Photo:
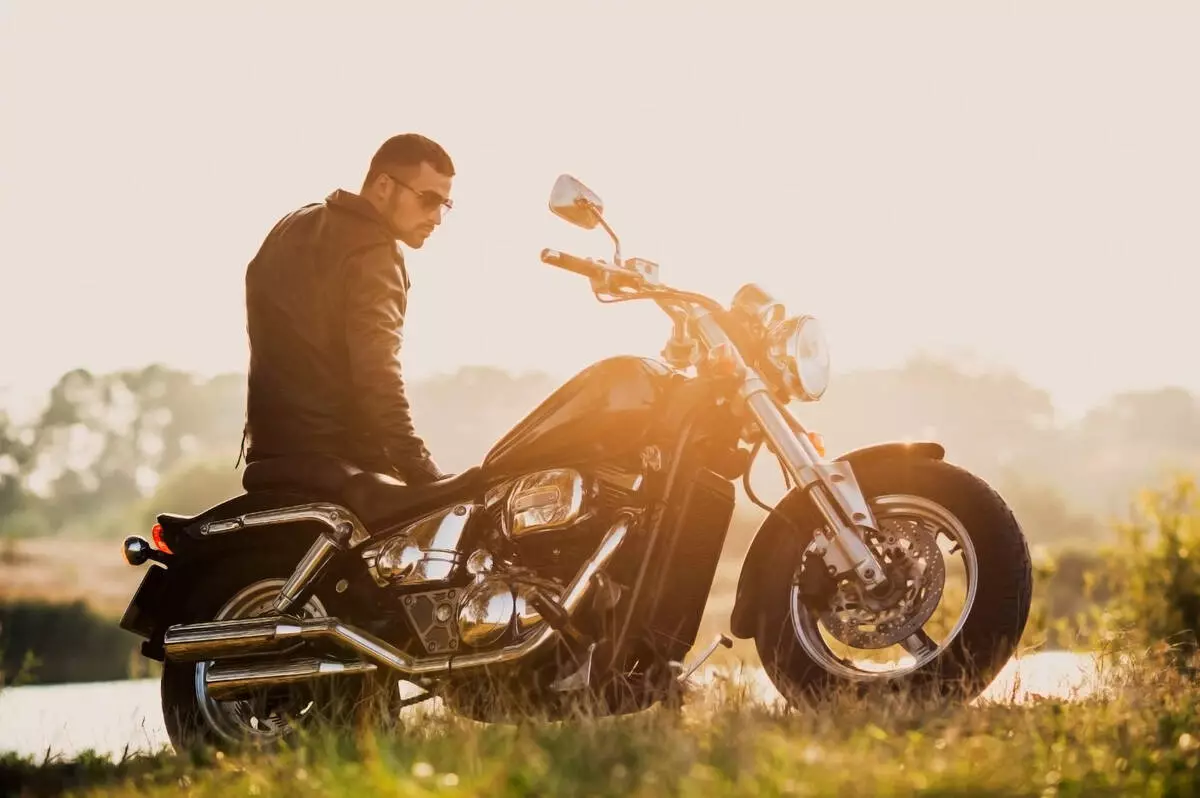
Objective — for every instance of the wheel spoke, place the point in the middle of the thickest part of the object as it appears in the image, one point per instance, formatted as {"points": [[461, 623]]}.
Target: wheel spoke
{"points": [[919, 644]]}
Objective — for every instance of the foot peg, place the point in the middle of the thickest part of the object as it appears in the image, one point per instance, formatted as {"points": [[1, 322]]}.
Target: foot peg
{"points": [[684, 671]]}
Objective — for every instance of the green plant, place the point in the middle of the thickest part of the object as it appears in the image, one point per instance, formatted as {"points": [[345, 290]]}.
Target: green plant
{"points": [[1156, 577]]}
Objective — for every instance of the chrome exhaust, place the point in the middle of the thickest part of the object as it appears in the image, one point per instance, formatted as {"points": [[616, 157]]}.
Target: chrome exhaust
{"points": [[228, 638], [224, 682], [204, 641]]}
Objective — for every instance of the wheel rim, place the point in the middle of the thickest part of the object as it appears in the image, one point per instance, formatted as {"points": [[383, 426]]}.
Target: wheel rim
{"points": [[264, 717], [920, 521]]}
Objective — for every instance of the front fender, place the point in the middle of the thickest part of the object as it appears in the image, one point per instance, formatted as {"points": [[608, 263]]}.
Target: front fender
{"points": [[769, 536]]}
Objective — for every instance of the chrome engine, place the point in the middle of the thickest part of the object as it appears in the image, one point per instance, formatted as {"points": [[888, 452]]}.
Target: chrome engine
{"points": [[497, 605], [424, 552]]}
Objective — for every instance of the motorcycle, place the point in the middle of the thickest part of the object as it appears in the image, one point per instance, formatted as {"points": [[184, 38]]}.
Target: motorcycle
{"points": [[575, 562]]}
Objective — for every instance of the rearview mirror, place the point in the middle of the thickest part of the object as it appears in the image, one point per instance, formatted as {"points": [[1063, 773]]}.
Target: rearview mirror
{"points": [[575, 202]]}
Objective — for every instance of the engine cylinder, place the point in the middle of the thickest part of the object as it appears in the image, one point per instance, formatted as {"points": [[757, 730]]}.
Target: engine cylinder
{"points": [[486, 612]]}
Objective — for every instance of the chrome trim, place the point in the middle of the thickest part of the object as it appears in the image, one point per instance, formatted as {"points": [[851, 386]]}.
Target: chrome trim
{"points": [[758, 304], [905, 506], [486, 612], [224, 682], [214, 639], [345, 528], [306, 570], [552, 479], [424, 552], [796, 452]]}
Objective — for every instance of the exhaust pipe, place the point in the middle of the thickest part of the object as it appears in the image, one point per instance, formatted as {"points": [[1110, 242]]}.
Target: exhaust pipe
{"points": [[228, 638], [224, 682], [204, 641]]}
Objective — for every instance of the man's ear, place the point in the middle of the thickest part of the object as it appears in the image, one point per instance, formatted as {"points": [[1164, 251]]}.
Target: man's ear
{"points": [[373, 187]]}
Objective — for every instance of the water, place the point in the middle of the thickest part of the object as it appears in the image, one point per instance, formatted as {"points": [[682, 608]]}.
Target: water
{"points": [[113, 718]]}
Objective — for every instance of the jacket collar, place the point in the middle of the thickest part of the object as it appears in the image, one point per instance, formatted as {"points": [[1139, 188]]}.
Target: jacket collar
{"points": [[359, 206]]}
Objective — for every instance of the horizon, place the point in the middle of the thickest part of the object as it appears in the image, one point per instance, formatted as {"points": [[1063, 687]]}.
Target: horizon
{"points": [[945, 182]]}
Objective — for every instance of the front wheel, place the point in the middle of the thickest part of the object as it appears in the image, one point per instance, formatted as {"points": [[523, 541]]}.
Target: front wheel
{"points": [[955, 606]]}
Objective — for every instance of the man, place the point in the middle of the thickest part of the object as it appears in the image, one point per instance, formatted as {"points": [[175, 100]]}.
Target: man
{"points": [[325, 302]]}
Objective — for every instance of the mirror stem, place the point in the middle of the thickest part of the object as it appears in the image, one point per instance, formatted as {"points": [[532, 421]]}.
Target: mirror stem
{"points": [[612, 235]]}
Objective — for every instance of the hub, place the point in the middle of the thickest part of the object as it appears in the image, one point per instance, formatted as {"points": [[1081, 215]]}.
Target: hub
{"points": [[916, 578]]}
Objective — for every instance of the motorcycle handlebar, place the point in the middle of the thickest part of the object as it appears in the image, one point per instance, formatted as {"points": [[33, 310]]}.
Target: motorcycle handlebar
{"points": [[612, 278], [572, 264]]}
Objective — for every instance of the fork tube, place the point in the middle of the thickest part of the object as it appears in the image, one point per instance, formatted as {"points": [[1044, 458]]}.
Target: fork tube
{"points": [[801, 459]]}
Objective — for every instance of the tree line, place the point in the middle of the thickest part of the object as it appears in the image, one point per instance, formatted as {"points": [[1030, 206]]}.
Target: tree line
{"points": [[108, 445]]}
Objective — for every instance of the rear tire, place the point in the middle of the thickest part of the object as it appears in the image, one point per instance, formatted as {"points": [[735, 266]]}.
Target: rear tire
{"points": [[966, 662], [241, 588]]}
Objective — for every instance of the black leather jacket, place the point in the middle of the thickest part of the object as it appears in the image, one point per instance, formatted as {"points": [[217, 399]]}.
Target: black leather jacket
{"points": [[325, 302]]}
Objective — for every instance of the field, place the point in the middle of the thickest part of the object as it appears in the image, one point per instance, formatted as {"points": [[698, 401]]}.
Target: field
{"points": [[1140, 737], [68, 570]]}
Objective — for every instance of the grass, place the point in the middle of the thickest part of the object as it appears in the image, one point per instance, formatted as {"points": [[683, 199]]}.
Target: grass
{"points": [[1141, 736]]}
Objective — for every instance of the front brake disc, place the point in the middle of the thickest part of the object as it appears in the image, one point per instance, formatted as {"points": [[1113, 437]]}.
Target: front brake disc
{"points": [[916, 578]]}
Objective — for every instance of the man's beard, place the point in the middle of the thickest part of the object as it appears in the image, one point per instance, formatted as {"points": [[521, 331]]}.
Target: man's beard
{"points": [[413, 239]]}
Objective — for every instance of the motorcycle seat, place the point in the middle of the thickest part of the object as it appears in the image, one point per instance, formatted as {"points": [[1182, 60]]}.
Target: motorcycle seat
{"points": [[378, 499], [322, 474]]}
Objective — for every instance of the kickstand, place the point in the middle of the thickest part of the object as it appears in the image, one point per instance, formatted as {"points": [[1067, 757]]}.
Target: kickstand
{"points": [[415, 699], [581, 678], [684, 671]]}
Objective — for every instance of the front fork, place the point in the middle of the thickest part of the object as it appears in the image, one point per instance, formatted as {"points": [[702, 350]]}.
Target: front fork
{"points": [[832, 486]]}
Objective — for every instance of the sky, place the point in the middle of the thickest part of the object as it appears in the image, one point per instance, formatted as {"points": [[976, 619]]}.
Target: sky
{"points": [[1012, 182]]}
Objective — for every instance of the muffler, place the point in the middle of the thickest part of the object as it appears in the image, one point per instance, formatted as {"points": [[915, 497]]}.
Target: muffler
{"points": [[199, 641], [224, 682], [216, 639]]}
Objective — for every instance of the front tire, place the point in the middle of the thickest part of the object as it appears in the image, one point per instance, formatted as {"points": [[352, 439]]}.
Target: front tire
{"points": [[805, 660]]}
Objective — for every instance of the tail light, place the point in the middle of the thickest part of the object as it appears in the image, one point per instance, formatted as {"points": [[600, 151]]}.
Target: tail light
{"points": [[156, 534]]}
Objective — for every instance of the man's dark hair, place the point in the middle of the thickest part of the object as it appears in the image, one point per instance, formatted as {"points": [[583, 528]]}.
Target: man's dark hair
{"points": [[409, 151]]}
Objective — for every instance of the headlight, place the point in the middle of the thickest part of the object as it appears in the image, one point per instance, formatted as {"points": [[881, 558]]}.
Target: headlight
{"points": [[799, 348]]}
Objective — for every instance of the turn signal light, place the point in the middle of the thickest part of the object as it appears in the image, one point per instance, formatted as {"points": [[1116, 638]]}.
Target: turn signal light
{"points": [[818, 442], [156, 534]]}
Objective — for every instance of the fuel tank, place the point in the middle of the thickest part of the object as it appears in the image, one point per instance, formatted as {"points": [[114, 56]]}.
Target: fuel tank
{"points": [[602, 412]]}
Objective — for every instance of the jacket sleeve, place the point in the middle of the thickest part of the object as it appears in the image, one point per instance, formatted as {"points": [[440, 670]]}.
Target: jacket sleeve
{"points": [[375, 302]]}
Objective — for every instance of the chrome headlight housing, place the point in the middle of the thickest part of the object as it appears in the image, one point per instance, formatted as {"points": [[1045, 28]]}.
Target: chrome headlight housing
{"points": [[799, 348], [541, 501]]}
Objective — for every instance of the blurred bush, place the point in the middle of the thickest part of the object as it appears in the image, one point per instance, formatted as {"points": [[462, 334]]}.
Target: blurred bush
{"points": [[1155, 580], [50, 643]]}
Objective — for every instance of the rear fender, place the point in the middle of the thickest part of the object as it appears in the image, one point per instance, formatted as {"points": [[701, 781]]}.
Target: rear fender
{"points": [[162, 596], [771, 536]]}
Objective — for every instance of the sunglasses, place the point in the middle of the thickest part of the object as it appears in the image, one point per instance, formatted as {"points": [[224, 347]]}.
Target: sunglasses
{"points": [[427, 199]]}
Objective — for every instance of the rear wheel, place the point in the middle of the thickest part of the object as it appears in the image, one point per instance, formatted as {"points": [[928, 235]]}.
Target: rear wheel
{"points": [[267, 717], [956, 603]]}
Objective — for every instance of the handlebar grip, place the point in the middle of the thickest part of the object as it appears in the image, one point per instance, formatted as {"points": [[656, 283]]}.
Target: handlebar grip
{"points": [[571, 263]]}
